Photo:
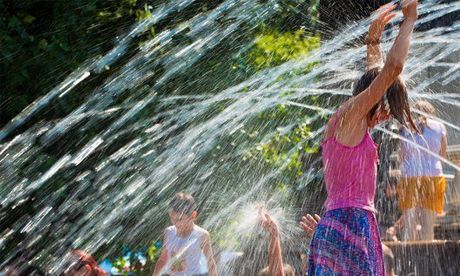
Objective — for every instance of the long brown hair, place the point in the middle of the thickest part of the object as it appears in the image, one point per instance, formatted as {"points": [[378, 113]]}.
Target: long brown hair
{"points": [[396, 95]]}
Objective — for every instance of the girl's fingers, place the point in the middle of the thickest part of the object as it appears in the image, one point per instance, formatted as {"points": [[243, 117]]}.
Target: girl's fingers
{"points": [[383, 15], [306, 221], [306, 228], [390, 8], [385, 9], [317, 218], [389, 17], [311, 220]]}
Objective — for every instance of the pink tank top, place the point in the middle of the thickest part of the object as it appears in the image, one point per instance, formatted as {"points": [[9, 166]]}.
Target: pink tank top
{"points": [[349, 172]]}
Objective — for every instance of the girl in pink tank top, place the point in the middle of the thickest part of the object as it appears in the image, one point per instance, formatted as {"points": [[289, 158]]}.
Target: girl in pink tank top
{"points": [[346, 240]]}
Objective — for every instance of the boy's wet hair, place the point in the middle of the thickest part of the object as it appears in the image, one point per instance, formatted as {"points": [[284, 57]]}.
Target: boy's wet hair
{"points": [[183, 203], [395, 96]]}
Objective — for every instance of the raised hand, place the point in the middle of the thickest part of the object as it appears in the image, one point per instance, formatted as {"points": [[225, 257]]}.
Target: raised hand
{"points": [[267, 222], [309, 224], [382, 17], [409, 9]]}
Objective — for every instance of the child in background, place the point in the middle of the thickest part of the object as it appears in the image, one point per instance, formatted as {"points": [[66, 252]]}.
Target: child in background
{"points": [[346, 240], [422, 186], [275, 258], [184, 242]]}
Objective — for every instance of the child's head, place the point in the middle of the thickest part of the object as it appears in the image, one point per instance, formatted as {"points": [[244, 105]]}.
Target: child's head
{"points": [[424, 107], [182, 211], [395, 103], [288, 271]]}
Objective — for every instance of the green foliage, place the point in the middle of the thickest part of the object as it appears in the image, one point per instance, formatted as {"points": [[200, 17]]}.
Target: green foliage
{"points": [[43, 41], [284, 148], [120, 263], [154, 251], [273, 47], [131, 263]]}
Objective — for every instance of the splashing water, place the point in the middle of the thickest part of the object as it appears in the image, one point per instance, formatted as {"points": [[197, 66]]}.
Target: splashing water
{"points": [[245, 225], [103, 172]]}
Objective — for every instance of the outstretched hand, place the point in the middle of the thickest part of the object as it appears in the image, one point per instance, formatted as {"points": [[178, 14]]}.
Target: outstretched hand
{"points": [[383, 16], [309, 224]]}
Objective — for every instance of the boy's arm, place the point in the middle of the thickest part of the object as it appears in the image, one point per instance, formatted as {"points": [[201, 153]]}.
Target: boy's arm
{"points": [[207, 251], [163, 260], [275, 259]]}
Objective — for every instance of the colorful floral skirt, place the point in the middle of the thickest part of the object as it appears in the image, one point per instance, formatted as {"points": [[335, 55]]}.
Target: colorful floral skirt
{"points": [[346, 242], [424, 192]]}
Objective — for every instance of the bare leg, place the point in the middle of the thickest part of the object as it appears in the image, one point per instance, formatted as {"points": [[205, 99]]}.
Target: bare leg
{"points": [[428, 218], [410, 222]]}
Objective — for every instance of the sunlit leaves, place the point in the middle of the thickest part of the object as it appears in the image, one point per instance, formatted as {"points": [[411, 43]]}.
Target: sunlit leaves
{"points": [[284, 148], [273, 47]]}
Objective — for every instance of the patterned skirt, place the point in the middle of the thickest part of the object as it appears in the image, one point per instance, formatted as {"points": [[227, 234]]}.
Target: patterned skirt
{"points": [[346, 242]]}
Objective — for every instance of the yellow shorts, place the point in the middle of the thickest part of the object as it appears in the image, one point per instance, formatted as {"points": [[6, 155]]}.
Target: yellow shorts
{"points": [[424, 191]]}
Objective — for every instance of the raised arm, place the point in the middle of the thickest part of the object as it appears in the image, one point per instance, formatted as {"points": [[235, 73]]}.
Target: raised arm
{"points": [[358, 107], [163, 260], [382, 17], [207, 251], [275, 258]]}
